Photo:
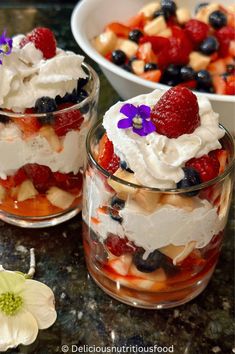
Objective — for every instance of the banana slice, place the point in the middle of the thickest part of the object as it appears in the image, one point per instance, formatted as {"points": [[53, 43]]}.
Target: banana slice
{"points": [[178, 253], [60, 198], [121, 189], [225, 198], [26, 191]]}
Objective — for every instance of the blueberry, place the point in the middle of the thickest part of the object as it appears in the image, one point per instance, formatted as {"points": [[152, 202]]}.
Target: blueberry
{"points": [[47, 119], [4, 119], [118, 57], [154, 261], [116, 205], [209, 45], [68, 97], [187, 73], [171, 75], [217, 19], [191, 178], [124, 166], [81, 96], [172, 71], [199, 6], [45, 104], [168, 8], [127, 67], [135, 35], [82, 83], [203, 78], [158, 13], [150, 66]]}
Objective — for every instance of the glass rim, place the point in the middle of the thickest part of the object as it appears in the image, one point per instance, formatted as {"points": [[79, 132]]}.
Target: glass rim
{"points": [[95, 88], [200, 186]]}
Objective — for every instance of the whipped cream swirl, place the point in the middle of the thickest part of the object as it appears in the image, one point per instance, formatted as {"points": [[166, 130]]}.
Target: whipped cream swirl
{"points": [[25, 76], [155, 159]]}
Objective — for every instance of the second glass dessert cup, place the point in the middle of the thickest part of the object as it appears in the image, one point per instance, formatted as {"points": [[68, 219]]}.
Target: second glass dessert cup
{"points": [[147, 247], [41, 156]]}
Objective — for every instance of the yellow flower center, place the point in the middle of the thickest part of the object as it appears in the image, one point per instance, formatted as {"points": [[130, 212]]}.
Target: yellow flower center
{"points": [[137, 122], [10, 303], [5, 48]]}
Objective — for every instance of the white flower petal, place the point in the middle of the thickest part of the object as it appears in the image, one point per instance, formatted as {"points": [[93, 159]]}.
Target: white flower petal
{"points": [[11, 281], [40, 301], [19, 329]]}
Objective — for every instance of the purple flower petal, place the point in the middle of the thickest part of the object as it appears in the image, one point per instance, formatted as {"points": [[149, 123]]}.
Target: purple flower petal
{"points": [[144, 111], [129, 110], [140, 132], [5, 44], [149, 127], [125, 123]]}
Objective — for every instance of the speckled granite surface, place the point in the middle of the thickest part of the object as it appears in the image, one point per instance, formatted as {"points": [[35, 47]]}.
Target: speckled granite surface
{"points": [[86, 316]]}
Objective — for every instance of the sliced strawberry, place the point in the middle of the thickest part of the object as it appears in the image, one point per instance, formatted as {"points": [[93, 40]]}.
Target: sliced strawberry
{"points": [[219, 84], [152, 75], [146, 53], [7, 183], [192, 261], [177, 53], [28, 125], [137, 21], [197, 30], [20, 176], [119, 29], [40, 175], [107, 158], [68, 181], [207, 167], [192, 84], [230, 85], [119, 246], [221, 156], [158, 43], [224, 36], [64, 122]]}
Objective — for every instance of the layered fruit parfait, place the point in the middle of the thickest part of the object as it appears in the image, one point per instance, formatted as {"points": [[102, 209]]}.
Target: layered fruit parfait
{"points": [[48, 101], [165, 43], [157, 193]]}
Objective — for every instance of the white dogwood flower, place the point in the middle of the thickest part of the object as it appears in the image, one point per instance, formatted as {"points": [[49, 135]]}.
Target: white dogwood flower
{"points": [[26, 306]]}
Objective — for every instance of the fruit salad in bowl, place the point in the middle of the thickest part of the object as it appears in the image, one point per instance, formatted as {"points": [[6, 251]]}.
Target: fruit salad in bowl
{"points": [[48, 101], [157, 192], [144, 45], [164, 43]]}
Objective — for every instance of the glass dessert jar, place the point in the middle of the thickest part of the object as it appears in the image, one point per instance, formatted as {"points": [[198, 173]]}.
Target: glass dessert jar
{"points": [[41, 156], [150, 247]]}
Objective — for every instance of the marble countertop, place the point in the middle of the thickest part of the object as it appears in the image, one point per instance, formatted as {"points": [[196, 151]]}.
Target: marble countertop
{"points": [[87, 316]]}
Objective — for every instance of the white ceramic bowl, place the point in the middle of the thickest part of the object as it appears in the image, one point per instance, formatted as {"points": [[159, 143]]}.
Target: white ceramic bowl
{"points": [[89, 19]]}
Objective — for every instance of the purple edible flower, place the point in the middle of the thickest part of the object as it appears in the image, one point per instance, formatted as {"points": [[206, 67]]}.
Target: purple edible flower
{"points": [[5, 45], [138, 118]]}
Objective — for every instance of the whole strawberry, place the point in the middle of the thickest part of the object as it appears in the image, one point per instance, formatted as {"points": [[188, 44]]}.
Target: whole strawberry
{"points": [[176, 113], [43, 39]]}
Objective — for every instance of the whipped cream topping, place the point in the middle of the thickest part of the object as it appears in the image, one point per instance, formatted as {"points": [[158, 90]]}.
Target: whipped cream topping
{"points": [[16, 151], [25, 76], [150, 230], [157, 160]]}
